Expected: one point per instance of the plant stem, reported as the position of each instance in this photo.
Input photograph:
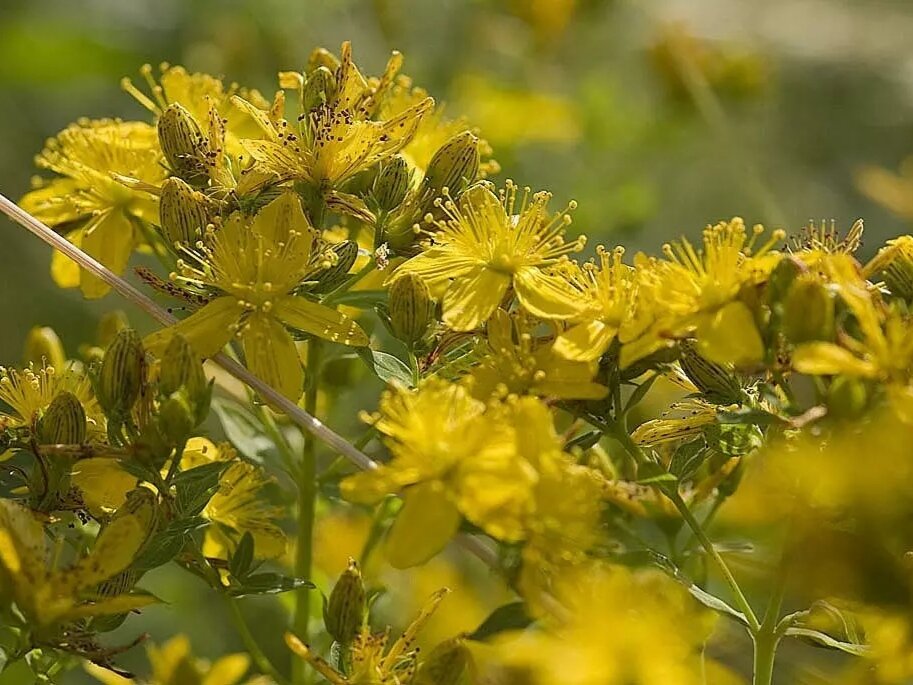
(765, 650)
(262, 662)
(740, 599)
(307, 500)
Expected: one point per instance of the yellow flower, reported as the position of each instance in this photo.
(87, 156)
(449, 459)
(606, 632)
(337, 139)
(256, 268)
(696, 291)
(102, 484)
(487, 244)
(375, 661)
(529, 366)
(196, 93)
(30, 391)
(435, 129)
(610, 292)
(48, 595)
(174, 664)
(238, 506)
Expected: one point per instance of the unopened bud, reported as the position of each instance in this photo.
(894, 262)
(711, 378)
(176, 418)
(411, 308)
(42, 346)
(182, 368)
(182, 212)
(808, 311)
(392, 183)
(846, 397)
(319, 88)
(64, 421)
(183, 144)
(122, 373)
(445, 665)
(333, 276)
(344, 613)
(455, 164)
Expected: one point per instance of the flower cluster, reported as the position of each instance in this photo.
(567, 418)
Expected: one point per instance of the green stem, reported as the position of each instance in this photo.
(765, 651)
(262, 662)
(307, 501)
(740, 599)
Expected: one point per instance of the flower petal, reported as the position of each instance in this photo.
(730, 336)
(436, 266)
(585, 342)
(316, 319)
(471, 299)
(423, 527)
(827, 359)
(110, 241)
(207, 330)
(546, 296)
(271, 355)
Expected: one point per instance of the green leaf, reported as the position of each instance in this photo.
(825, 640)
(197, 486)
(269, 584)
(715, 603)
(513, 616)
(688, 459)
(241, 560)
(243, 430)
(640, 392)
(387, 367)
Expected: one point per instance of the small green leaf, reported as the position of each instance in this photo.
(688, 459)
(513, 616)
(17, 673)
(241, 560)
(387, 367)
(361, 299)
(243, 430)
(269, 584)
(825, 640)
(197, 486)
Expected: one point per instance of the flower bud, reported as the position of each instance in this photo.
(455, 164)
(182, 368)
(43, 347)
(64, 421)
(898, 276)
(183, 144)
(333, 276)
(182, 212)
(176, 418)
(445, 665)
(319, 88)
(711, 378)
(392, 183)
(344, 613)
(411, 308)
(846, 397)
(808, 311)
(123, 371)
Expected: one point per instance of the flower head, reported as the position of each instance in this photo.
(88, 157)
(489, 243)
(252, 271)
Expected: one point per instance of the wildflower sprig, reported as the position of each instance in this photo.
(569, 418)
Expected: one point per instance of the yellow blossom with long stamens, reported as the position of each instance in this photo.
(86, 199)
(609, 288)
(338, 138)
(30, 391)
(515, 362)
(487, 244)
(256, 268)
(696, 291)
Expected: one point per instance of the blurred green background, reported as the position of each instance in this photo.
(657, 116)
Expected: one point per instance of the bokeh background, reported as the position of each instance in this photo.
(657, 116)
